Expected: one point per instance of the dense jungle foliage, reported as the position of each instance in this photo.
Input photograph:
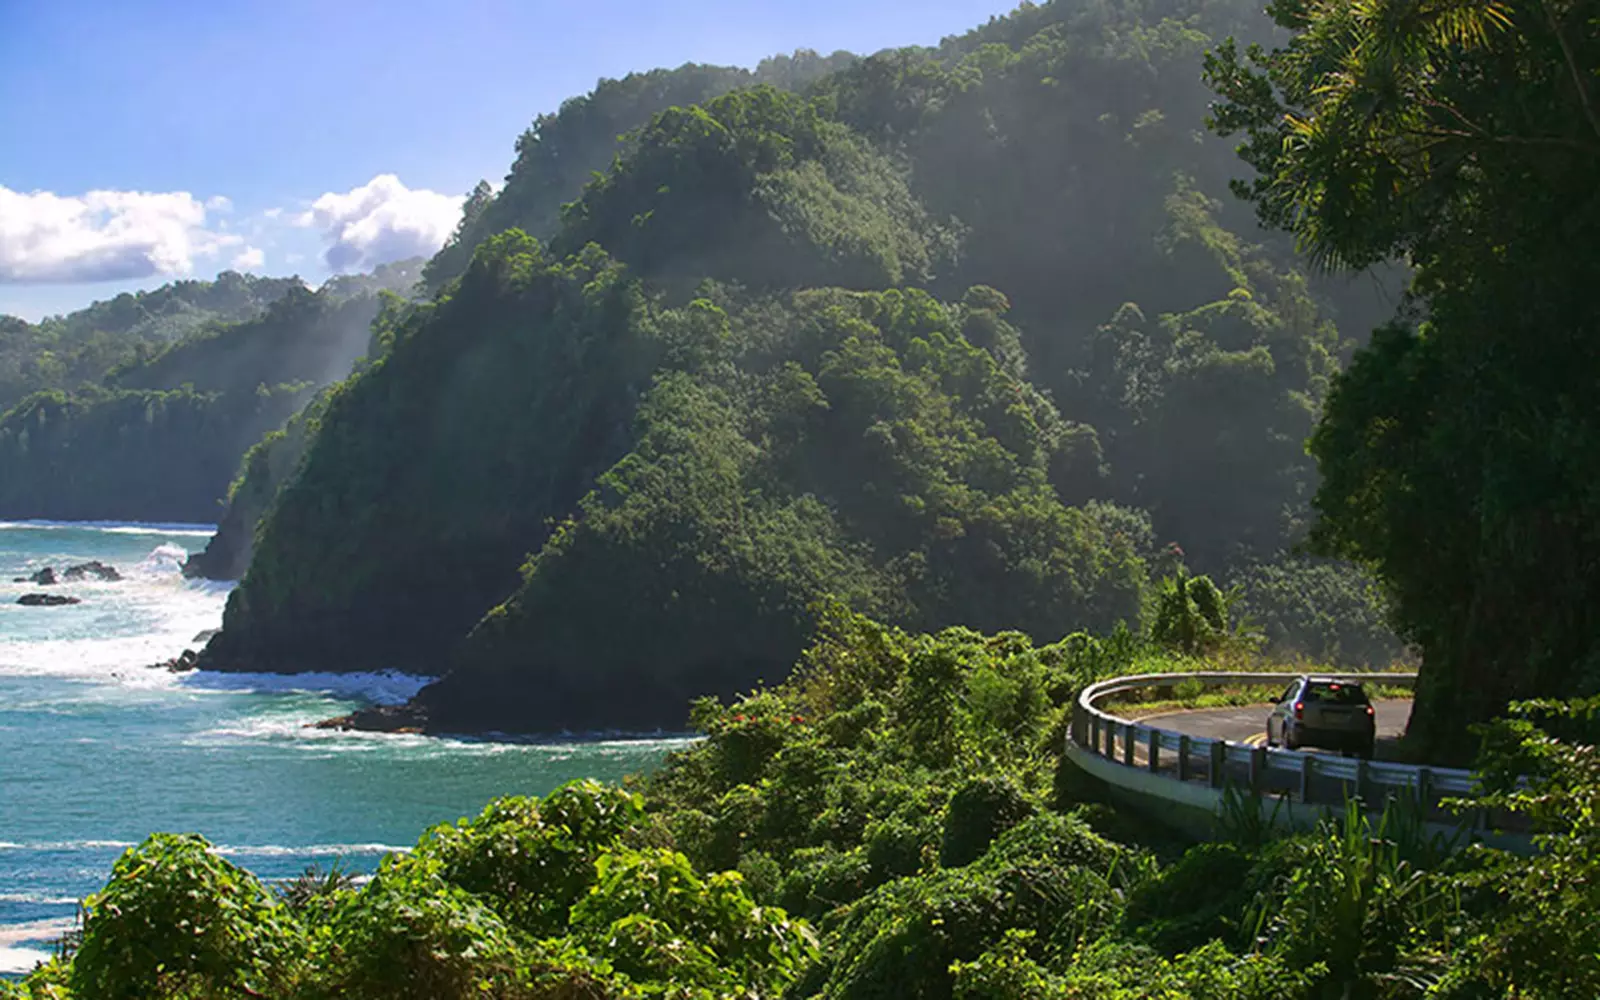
(958, 335)
(160, 435)
(1460, 451)
(561, 152)
(136, 454)
(893, 821)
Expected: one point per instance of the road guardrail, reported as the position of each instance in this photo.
(1151, 761)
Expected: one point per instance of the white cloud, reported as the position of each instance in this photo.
(249, 259)
(381, 221)
(272, 213)
(103, 235)
(219, 203)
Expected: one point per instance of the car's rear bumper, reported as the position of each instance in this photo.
(1338, 738)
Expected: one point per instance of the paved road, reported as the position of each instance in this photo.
(1247, 724)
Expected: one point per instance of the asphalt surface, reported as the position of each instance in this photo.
(1247, 724)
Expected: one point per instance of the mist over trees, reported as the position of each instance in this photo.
(834, 375)
(62, 352)
(202, 372)
(963, 334)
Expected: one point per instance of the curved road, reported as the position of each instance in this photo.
(1247, 723)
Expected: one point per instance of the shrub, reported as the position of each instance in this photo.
(1050, 875)
(822, 879)
(176, 920)
(532, 860)
(314, 893)
(653, 918)
(410, 934)
(1203, 896)
(980, 810)
(897, 847)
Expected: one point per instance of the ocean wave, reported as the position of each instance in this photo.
(65, 845)
(386, 687)
(15, 960)
(309, 851)
(117, 527)
(36, 898)
(157, 613)
(165, 559)
(228, 850)
(18, 959)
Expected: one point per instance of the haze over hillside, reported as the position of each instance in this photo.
(813, 435)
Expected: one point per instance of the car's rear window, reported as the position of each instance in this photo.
(1336, 692)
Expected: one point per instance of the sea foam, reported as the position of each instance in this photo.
(386, 687)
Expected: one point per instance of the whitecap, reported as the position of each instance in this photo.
(310, 851)
(15, 960)
(385, 687)
(66, 845)
(36, 899)
(116, 527)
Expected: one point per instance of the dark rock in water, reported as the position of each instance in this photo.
(46, 600)
(379, 719)
(45, 577)
(203, 637)
(182, 663)
(95, 568)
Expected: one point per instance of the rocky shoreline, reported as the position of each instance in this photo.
(407, 718)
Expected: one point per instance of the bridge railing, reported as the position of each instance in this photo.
(1314, 779)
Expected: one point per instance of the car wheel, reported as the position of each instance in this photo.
(1270, 741)
(1367, 749)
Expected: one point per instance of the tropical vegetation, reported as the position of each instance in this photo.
(896, 819)
(956, 335)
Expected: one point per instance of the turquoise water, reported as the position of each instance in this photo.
(96, 751)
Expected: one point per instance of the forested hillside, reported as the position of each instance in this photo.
(957, 335)
(561, 152)
(62, 352)
(714, 474)
(159, 435)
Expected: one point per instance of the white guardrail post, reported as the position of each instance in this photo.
(1312, 779)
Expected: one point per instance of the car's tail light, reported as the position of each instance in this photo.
(1371, 710)
(1299, 710)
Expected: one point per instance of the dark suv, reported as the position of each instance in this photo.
(1323, 712)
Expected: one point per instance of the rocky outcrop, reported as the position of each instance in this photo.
(46, 600)
(94, 568)
(409, 718)
(180, 664)
(48, 577)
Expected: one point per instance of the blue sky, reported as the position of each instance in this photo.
(213, 129)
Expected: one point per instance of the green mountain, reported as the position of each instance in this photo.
(560, 153)
(952, 335)
(160, 436)
(61, 352)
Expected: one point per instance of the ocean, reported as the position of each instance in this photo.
(97, 750)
